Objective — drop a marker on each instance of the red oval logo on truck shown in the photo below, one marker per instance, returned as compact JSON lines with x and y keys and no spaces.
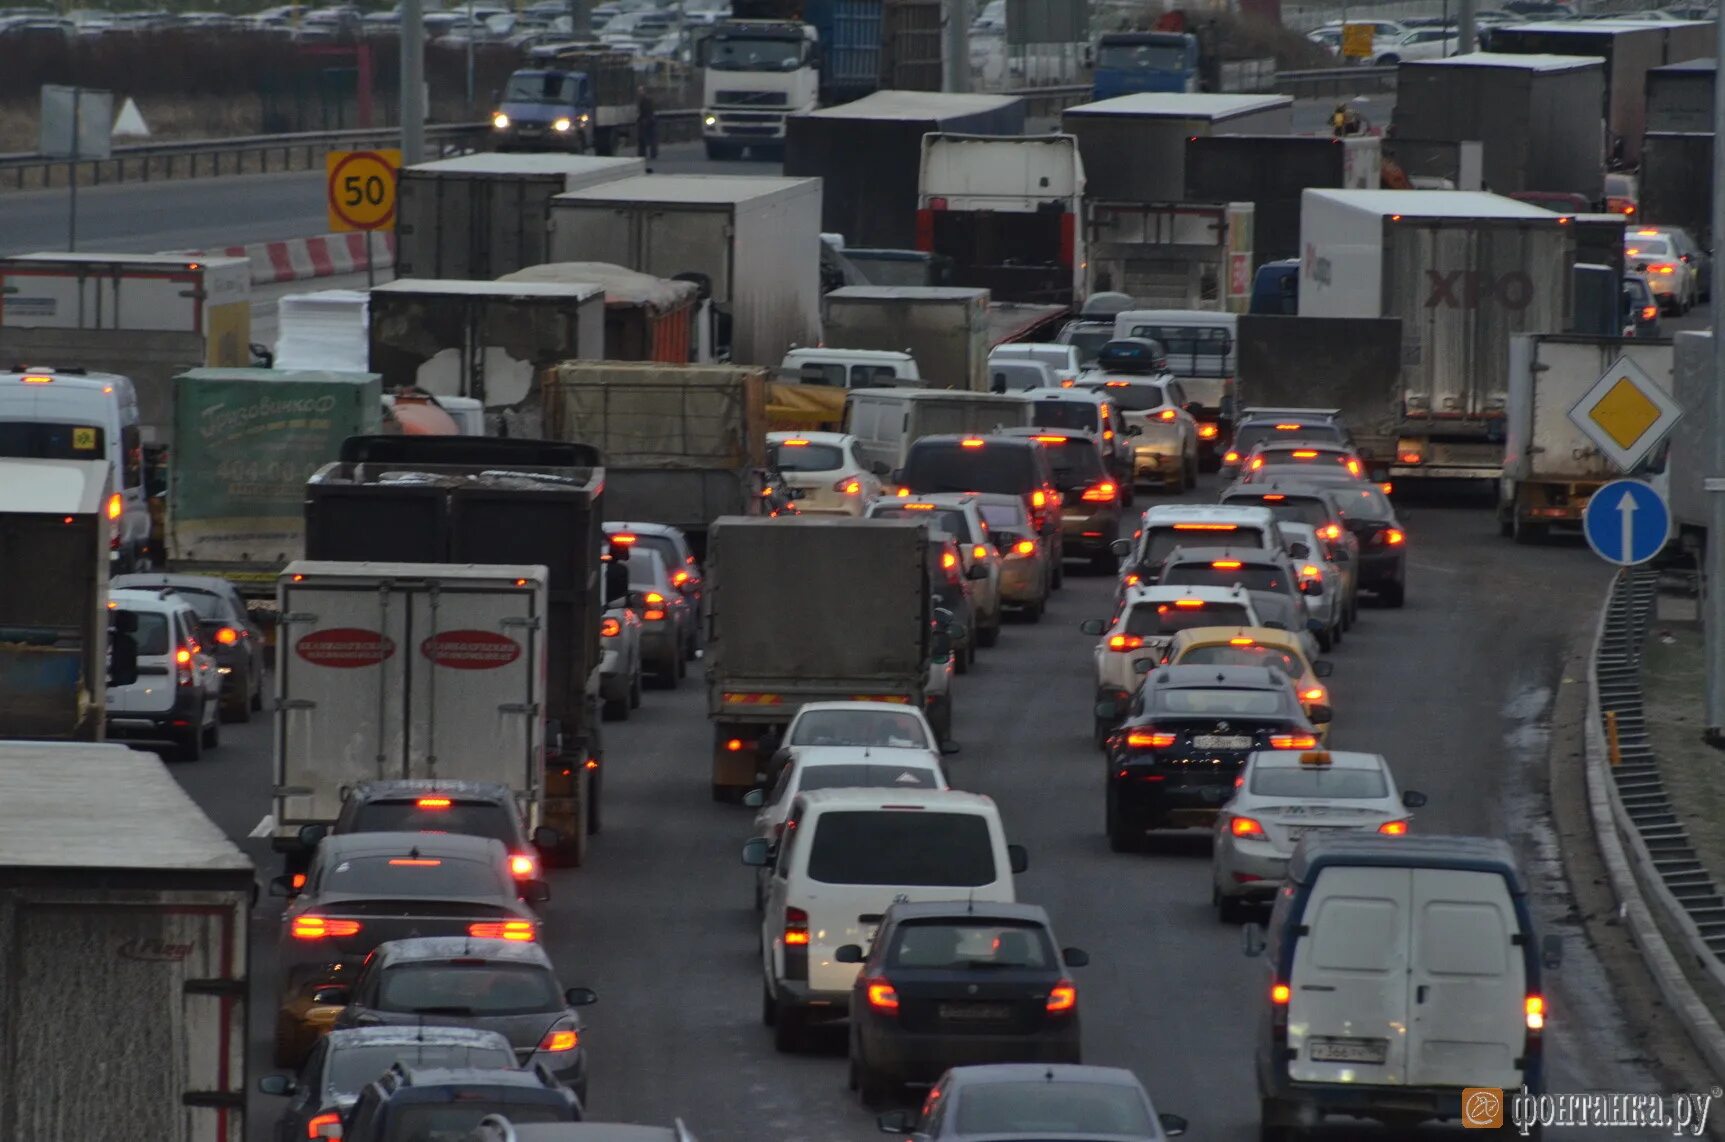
{"x":471,"y":649}
{"x":344,"y":648}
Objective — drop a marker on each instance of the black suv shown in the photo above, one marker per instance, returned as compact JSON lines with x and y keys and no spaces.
{"x":407,"y":1104}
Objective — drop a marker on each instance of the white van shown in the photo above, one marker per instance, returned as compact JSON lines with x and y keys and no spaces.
{"x":886,"y":422}
{"x":1402,"y":971}
{"x":1201,"y":348}
{"x":845,"y":855}
{"x":69,"y":414}
{"x":850,"y":368}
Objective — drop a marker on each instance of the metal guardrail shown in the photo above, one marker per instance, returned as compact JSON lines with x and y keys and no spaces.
{"x":264,"y":154}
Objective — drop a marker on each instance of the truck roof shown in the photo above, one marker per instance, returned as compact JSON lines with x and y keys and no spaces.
{"x":1176,"y":105}
{"x":512,"y":291}
{"x":910,"y":293}
{"x":1435,"y":203}
{"x":1543,"y":63}
{"x":1706,"y":65}
{"x":1592,"y":27}
{"x":497,"y":163}
{"x":1469,"y":854}
{"x":694,"y":189}
{"x":485,"y":572}
{"x":933,"y":106}
{"x":98,"y":805}
{"x":56,"y":487}
{"x":622,"y":285}
{"x":188,"y":261}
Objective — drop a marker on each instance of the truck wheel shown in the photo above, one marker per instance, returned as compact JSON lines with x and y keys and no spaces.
{"x":211,"y":735}
{"x":1326,"y":640}
{"x":189,"y":745}
{"x":615,"y":709}
{"x":1393,"y":594}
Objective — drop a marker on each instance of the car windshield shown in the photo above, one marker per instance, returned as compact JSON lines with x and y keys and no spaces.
{"x":472,"y":987}
{"x":902,"y":848}
{"x":1647,"y":247}
{"x":425,"y":815}
{"x":865,"y":777}
{"x":646,"y":569}
{"x":1130,"y":396}
{"x":1250,"y":436}
{"x":726,"y":53}
{"x":210,"y":606}
{"x":411,"y":876}
{"x":1187,"y":340}
{"x":152,"y":633}
{"x":805,"y":457}
{"x":950,"y":521}
{"x":1254,"y":655}
{"x":1164,"y":538}
{"x":1318,"y":781}
{"x":545,"y":87}
{"x":1262,"y":703}
{"x":1149,"y":619}
{"x":988,"y":467}
{"x":662,"y":545}
{"x":1075,"y":462}
{"x":455,"y":1122}
{"x":1365,"y":503}
{"x":1032,"y":1109}
{"x":979,"y":946}
{"x":1081,"y":415}
{"x":1292,"y":509}
{"x":39,"y":440}
{"x":350,"y":1068}
{"x":885,"y":728}
{"x":1004,"y":517}
{"x":1218,"y":573}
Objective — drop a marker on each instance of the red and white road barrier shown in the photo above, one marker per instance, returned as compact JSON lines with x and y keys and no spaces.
{"x":303,"y":259}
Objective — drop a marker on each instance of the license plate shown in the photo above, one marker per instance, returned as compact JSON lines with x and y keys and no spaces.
{"x":974,"y":1012}
{"x":1373,"y":1051}
{"x":1221,"y":741}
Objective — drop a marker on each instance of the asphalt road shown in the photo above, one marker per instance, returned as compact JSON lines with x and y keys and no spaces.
{"x":195,"y":214}
{"x":1454,"y":688}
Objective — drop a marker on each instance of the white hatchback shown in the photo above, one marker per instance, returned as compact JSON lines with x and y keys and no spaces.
{"x":826,"y":468}
{"x":176,"y":699}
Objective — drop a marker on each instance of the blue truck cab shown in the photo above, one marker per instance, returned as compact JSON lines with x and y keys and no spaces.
{"x":1130,"y":62}
{"x":1276,"y":288}
{"x":544,"y":109}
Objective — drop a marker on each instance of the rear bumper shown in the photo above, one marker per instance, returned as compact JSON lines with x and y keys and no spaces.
{"x":1021,"y":582}
{"x":1307,"y":1102}
{"x":160,"y":725}
{"x":1443,"y":472}
{"x":1164,"y":805}
{"x":1378,"y":569}
{"x":1092,"y":533}
{"x":914,"y":1057}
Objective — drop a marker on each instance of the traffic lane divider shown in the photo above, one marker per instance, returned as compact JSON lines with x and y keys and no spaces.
{"x":306,"y":259}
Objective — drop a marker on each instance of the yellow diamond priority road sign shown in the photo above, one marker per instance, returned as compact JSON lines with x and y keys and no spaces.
{"x":1626,"y":414}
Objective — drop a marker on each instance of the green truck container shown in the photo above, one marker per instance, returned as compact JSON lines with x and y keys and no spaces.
{"x":245,"y":442}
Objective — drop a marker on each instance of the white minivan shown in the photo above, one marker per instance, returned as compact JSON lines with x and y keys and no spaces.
{"x":843,"y":857}
{"x":886,"y":422}
{"x":62,"y":414}
{"x":1403,"y":970}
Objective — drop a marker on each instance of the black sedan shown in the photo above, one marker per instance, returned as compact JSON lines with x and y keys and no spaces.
{"x":1369,"y":515}
{"x":1188,"y":730}
{"x":949,"y":983}
{"x":1035,"y":1101}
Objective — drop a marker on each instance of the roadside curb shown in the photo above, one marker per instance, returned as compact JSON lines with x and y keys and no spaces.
{"x":1626,"y":875}
{"x":321,"y":256}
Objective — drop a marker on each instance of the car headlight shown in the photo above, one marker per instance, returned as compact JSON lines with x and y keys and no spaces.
{"x":584,"y":116}
{"x":500,"y":121}
{"x":712,"y":120}
{"x":561,"y":125}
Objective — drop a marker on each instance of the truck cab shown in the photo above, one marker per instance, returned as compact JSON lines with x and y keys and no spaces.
{"x":1130,"y":62}
{"x":754,"y":74}
{"x":545,"y":109}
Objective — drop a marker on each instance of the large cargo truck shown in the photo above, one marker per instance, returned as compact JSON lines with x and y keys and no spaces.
{"x":855,"y":627}
{"x":1350,"y":364}
{"x":1550,"y":467}
{"x":389,"y":671}
{"x":122,"y":906}
{"x":1522,"y":108}
{"x":1676,"y":182}
{"x":944,"y":328}
{"x":1172,"y":255}
{"x":646,"y":318}
{"x":478,"y":217}
{"x":1464,"y":271}
{"x":1680,"y":96}
{"x":755,"y":74}
{"x":461,"y":499}
{"x":868,"y":154}
{"x":1270,"y":172}
{"x":753,"y":244}
{"x":1134,"y":146}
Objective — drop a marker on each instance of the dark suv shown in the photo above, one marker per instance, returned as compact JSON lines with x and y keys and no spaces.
{"x":1090,"y":497}
{"x":1005,"y":465}
{"x":409,"y":1104}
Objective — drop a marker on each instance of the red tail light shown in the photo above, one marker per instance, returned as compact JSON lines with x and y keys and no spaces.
{"x":1315,"y":694}
{"x":1411,"y":457}
{"x":1024,"y":547}
{"x":679,"y":578}
{"x":925,"y":229}
{"x":1293,"y":741}
{"x":321,"y":927}
{"x":323,"y":1126}
{"x":516,"y":931}
{"x":1062,"y":997}
{"x":796,"y":928}
{"x":1394,"y":828}
{"x":183,"y":657}
{"x":1661,"y":269}
{"x":432,"y":803}
{"x":1102,"y":493}
{"x":1150,"y":739}
{"x":1231,"y":458}
{"x":116,"y":506}
{"x":1280,"y":994}
{"x":1121,"y":643}
{"x":1038,"y":499}
{"x":1330,"y":531}
{"x":1534,"y":1008}
{"x":183,"y":673}
{"x":882,"y":996}
{"x":845,"y":487}
{"x":979,"y":552}
{"x":1068,"y":239}
{"x":610,"y":628}
{"x":566,"y":1039}
{"x":1394,"y":537}
{"x":227,"y":636}
{"x":1649,"y":312}
{"x":1208,"y":432}
{"x":523,"y":867}
{"x":1245,"y":827}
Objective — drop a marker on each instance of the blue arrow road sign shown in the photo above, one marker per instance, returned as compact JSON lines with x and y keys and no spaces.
{"x":1626,"y":522}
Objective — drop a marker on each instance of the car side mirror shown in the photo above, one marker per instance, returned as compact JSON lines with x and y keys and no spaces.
{"x":754,"y":798}
{"x":1144,"y":665}
{"x":880,"y":469}
{"x":1134,"y":430}
{"x":977,"y":573}
{"x":947,"y":749}
{"x":896,"y":475}
{"x":894,"y":1122}
{"x":1252,"y":940}
{"x":1019,"y":858}
{"x":332,"y":995}
{"x":279,"y":1085}
{"x":1121,"y":547}
{"x":122,"y":651}
{"x":1093,"y":627}
{"x":1323,"y":668}
{"x":580,"y":997}
{"x":311,"y":835}
{"x":1299,"y":550}
{"x":282,"y":886}
{"x":848,"y":954}
{"x":1321,"y":715}
{"x":1413,"y":799}
{"x":1172,"y":1124}
{"x":535,"y":891}
{"x":1075,"y":957}
{"x":1107,"y":710}
{"x":546,"y":838}
{"x":757,"y":852}
{"x":1551,"y":952}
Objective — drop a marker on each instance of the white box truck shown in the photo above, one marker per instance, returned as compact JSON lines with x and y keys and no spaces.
{"x":1464,"y":271}
{"x":124,"y":914}
{"x":406,"y":670}
{"x":753,"y":243}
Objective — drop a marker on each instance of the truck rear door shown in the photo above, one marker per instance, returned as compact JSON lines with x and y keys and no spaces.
{"x":1468,"y":982}
{"x":1348,"y":1001}
{"x":680,"y":241}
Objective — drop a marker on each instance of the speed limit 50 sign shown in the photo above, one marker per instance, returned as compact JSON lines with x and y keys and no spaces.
{"x":362,"y":189}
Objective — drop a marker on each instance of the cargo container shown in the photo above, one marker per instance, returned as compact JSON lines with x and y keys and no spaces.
{"x":868,"y":154}
{"x":462,"y":499}
{"x":1680,"y":96}
{"x":483,"y":340}
{"x":1350,"y":364}
{"x":478,"y":217}
{"x":1523,"y":110}
{"x":646,"y":318}
{"x":870,"y":45}
{"x":1134,"y":146}
{"x":1172,"y":255}
{"x":753,"y":244}
{"x":1464,"y":271}
{"x":1270,"y":171}
{"x":1599,"y":239}
{"x":1630,"y":50}
{"x":945,"y":329}
{"x":112,"y":878}
{"x":1550,"y":467}
{"x":1676,"y":182}
{"x":855,"y":627}
{"x":246,"y":442}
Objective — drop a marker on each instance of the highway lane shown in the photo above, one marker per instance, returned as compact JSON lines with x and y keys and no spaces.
{"x":1455,"y":689}
{"x":194,"y":214}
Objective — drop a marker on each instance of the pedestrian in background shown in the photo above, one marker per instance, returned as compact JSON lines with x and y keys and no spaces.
{"x":646,"y":126}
